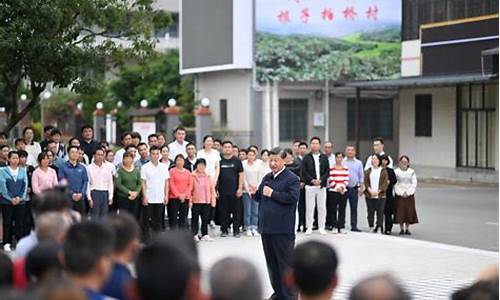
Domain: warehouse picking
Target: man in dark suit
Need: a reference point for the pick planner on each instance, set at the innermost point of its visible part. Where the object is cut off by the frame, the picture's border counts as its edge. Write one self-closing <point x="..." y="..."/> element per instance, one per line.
<point x="278" y="195"/>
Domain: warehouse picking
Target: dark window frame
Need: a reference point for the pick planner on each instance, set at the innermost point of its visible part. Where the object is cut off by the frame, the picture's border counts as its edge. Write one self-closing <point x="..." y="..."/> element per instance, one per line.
<point x="370" y="106"/>
<point x="423" y="115"/>
<point x="223" y="112"/>
<point x="293" y="130"/>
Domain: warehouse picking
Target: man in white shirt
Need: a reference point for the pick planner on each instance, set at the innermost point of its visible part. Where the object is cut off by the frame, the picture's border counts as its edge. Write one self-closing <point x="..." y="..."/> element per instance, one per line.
<point x="154" y="177"/>
<point x="378" y="148"/>
<point x="126" y="139"/>
<point x="179" y="145"/>
<point x="100" y="187"/>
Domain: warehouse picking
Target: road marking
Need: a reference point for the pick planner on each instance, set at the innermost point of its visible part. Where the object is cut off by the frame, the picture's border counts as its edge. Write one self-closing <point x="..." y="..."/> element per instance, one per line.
<point x="491" y="223"/>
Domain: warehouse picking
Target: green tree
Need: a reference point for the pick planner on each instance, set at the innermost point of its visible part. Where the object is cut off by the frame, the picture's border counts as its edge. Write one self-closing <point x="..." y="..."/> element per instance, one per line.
<point x="70" y="43"/>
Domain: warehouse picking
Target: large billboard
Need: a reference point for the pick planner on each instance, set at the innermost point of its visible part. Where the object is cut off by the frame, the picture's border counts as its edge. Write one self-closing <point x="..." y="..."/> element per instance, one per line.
<point x="299" y="40"/>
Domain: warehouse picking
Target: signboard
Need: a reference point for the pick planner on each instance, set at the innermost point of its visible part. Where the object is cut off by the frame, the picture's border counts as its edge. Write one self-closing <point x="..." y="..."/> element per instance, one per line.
<point x="298" y="40"/>
<point x="144" y="128"/>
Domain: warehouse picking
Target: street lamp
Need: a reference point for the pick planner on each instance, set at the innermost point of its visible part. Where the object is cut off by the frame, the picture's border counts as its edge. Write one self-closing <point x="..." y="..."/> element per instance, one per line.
<point x="99" y="105"/>
<point x="23" y="97"/>
<point x="205" y="102"/>
<point x="172" y="102"/>
<point x="144" y="103"/>
<point x="119" y="104"/>
<point x="79" y="106"/>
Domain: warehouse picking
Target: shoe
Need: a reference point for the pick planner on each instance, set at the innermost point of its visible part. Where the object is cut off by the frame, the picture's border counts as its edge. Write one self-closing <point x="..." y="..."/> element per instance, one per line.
<point x="212" y="224"/>
<point x="224" y="234"/>
<point x="196" y="238"/>
<point x="6" y="248"/>
<point x="387" y="233"/>
<point x="237" y="235"/>
<point x="249" y="232"/>
<point x="355" y="230"/>
<point x="255" y="232"/>
<point x="322" y="231"/>
<point x="407" y="232"/>
<point x="371" y="228"/>
<point x="375" y="229"/>
<point x="309" y="231"/>
<point x="329" y="228"/>
<point x="207" y="238"/>
<point x="342" y="231"/>
<point x="401" y="232"/>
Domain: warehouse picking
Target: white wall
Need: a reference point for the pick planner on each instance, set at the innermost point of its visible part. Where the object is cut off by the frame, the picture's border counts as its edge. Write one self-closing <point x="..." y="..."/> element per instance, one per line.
<point x="410" y="58"/>
<point x="440" y="149"/>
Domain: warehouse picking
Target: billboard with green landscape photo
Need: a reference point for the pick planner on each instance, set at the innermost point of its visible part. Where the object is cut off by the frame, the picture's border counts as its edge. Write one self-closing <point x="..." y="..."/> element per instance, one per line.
<point x="300" y="40"/>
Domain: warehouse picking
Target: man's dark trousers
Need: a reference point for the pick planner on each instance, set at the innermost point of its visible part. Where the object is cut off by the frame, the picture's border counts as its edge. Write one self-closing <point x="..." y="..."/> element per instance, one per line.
<point x="352" y="196"/>
<point x="277" y="250"/>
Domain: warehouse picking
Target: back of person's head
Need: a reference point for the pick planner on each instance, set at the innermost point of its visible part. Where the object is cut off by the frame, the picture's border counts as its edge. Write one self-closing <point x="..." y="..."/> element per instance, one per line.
<point x="6" y="269"/>
<point x="481" y="290"/>
<point x="43" y="260"/>
<point x="181" y="238"/>
<point x="378" y="287"/>
<point x="57" y="287"/>
<point x="52" y="226"/>
<point x="314" y="268"/>
<point x="52" y="200"/>
<point x="126" y="231"/>
<point x="235" y="278"/>
<point x="86" y="244"/>
<point x="166" y="261"/>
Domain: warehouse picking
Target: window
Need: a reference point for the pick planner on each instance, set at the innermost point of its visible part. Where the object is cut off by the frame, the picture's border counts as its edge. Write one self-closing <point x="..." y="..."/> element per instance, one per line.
<point x="476" y="125"/>
<point x="375" y="119"/>
<point x="293" y="119"/>
<point x="423" y="115"/>
<point x="223" y="112"/>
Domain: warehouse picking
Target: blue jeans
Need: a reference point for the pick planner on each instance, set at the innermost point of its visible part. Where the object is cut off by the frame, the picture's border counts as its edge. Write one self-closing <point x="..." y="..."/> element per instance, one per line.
<point x="251" y="212"/>
<point x="352" y="196"/>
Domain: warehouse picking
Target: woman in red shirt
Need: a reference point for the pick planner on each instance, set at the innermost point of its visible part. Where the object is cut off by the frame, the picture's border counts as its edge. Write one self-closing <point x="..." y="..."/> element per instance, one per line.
<point x="179" y="194"/>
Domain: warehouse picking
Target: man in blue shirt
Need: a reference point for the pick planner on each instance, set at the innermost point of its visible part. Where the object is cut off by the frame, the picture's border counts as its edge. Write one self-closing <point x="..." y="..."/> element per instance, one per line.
<point x="87" y="256"/>
<point x="354" y="188"/>
<point x="74" y="175"/>
<point x="127" y="244"/>
<point x="278" y="195"/>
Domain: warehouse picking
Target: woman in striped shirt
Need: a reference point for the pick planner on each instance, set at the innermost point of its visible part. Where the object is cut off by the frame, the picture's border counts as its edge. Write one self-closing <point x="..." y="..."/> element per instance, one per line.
<point x="337" y="192"/>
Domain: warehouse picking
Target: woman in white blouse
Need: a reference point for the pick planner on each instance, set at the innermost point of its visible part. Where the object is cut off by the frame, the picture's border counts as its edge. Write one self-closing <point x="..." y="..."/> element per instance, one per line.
<point x="251" y="181"/>
<point x="405" y="212"/>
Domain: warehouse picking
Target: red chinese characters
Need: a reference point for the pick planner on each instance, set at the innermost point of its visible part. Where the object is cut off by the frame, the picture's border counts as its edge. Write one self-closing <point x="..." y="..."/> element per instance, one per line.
<point x="371" y="12"/>
<point x="349" y="13"/>
<point x="327" y="14"/>
<point x="284" y="16"/>
<point x="304" y="15"/>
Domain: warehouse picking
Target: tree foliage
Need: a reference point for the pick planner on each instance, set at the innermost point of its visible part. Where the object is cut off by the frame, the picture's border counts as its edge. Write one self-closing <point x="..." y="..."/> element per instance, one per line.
<point x="70" y="43"/>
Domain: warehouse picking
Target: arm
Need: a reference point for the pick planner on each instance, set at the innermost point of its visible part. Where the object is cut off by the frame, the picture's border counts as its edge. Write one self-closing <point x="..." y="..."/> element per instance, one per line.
<point x="119" y="184"/>
<point x="367" y="182"/>
<point x="85" y="182"/>
<point x="325" y="170"/>
<point x="258" y="193"/>
<point x="25" y="192"/>
<point x="166" y="191"/>
<point x="240" y="184"/>
<point x="144" y="194"/>
<point x="413" y="186"/>
<point x="111" y="187"/>
<point x="213" y="194"/>
<point x="3" y="187"/>
<point x="308" y="177"/>
<point x="90" y="183"/>
<point x="291" y="195"/>
<point x="217" y="171"/>
<point x="189" y="190"/>
<point x="384" y="181"/>
<point x="138" y="184"/>
<point x="35" y="183"/>
<point x="173" y="186"/>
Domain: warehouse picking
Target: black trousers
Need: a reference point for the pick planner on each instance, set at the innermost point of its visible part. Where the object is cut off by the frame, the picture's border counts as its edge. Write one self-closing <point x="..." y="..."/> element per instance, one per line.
<point x="130" y="206"/>
<point x="302" y="208"/>
<point x="80" y="207"/>
<point x="152" y="214"/>
<point x="375" y="206"/>
<point x="13" y="217"/>
<point x="197" y="211"/>
<point x="229" y="210"/>
<point x="389" y="211"/>
<point x="335" y="209"/>
<point x="177" y="213"/>
<point x="28" y="222"/>
<point x="277" y="250"/>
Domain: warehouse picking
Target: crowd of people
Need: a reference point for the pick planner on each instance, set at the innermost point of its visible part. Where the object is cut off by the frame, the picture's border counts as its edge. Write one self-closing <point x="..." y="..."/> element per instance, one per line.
<point x="79" y="215"/>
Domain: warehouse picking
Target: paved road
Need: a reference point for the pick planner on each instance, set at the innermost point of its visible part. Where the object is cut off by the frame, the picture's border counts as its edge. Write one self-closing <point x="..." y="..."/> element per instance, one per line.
<point x="455" y="215"/>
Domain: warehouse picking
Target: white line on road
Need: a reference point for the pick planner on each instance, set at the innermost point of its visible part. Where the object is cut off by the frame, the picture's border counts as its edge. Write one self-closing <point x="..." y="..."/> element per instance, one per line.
<point x="491" y="223"/>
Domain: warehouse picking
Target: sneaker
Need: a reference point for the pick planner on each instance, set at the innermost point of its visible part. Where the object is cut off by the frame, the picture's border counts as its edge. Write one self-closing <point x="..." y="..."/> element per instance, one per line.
<point x="196" y="238"/>
<point x="207" y="238"/>
<point x="249" y="233"/>
<point x="237" y="235"/>
<point x="224" y="234"/>
<point x="401" y="232"/>
<point x="212" y="224"/>
<point x="6" y="248"/>
<point x="255" y="232"/>
<point x="355" y="230"/>
<point x="309" y="231"/>
<point x="322" y="231"/>
<point x="342" y="231"/>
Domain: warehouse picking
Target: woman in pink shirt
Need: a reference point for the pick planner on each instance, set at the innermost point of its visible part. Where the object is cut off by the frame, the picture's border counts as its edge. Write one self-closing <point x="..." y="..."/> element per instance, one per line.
<point x="179" y="194"/>
<point x="44" y="177"/>
<point x="203" y="197"/>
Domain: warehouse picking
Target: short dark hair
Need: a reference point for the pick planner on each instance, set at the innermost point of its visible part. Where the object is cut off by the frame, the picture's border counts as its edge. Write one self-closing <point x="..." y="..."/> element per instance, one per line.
<point x="13" y="152"/>
<point x="43" y="155"/>
<point x="296" y="141"/>
<point x="200" y="161"/>
<point x="125" y="228"/>
<point x="22" y="153"/>
<point x="99" y="149"/>
<point x="379" y="159"/>
<point x="253" y="146"/>
<point x="73" y="147"/>
<point x="55" y="131"/>
<point x="339" y="153"/>
<point x="207" y="137"/>
<point x="124" y="135"/>
<point x="264" y="151"/>
<point x="243" y="150"/>
<point x="129" y="146"/>
<point x="153" y="148"/>
<point x="278" y="151"/>
<point x="164" y="146"/>
<point x="378" y="139"/>
<point x="479" y="290"/>
<point x="361" y="290"/>
<point x="50" y="142"/>
<point x="53" y="200"/>
<point x="217" y="141"/>
<point x="179" y="128"/>
<point x="42" y="260"/>
<point x="136" y="135"/>
<point x="315" y="138"/>
<point x="304" y="144"/>
<point x="6" y="270"/>
<point x="190" y="144"/>
<point x="142" y="144"/>
<point x="3" y="146"/>
<point x="152" y="273"/>
<point x="19" y="140"/>
<point x="72" y="139"/>
<point x="180" y="155"/>
<point x="152" y="135"/>
<point x="109" y="150"/>
<point x="86" y="243"/>
<point x="314" y="265"/>
<point x="27" y="128"/>
<point x="251" y="150"/>
<point x="127" y="154"/>
<point x="86" y="126"/>
<point x="227" y="142"/>
<point x="48" y="128"/>
<point x="4" y="134"/>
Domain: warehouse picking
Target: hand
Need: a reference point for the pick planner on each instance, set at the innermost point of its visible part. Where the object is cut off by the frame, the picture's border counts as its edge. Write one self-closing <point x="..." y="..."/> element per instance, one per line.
<point x="182" y="198"/>
<point x="91" y="203"/>
<point x="267" y="191"/>
<point x="75" y="197"/>
<point x="145" y="201"/>
<point x="317" y="182"/>
<point x="374" y="194"/>
<point x="165" y="200"/>
<point x="302" y="185"/>
<point x="132" y="195"/>
<point x="239" y="193"/>
<point x="110" y="202"/>
<point x="405" y="195"/>
<point x="360" y="192"/>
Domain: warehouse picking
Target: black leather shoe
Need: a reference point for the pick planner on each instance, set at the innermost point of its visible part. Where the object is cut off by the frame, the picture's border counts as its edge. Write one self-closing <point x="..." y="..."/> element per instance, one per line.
<point x="355" y="230"/>
<point x="402" y="232"/>
<point x="407" y="232"/>
<point x="224" y="234"/>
